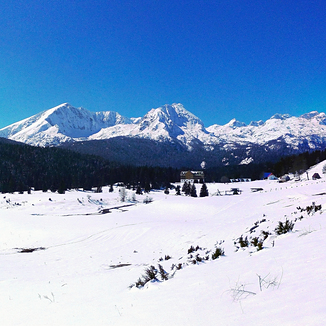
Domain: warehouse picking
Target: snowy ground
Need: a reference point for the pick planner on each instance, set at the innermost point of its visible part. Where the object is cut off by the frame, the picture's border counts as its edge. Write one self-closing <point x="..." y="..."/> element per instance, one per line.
<point x="84" y="262"/>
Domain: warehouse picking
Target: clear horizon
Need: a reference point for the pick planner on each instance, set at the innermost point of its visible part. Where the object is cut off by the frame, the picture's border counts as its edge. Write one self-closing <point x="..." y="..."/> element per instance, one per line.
<point x="220" y="59"/>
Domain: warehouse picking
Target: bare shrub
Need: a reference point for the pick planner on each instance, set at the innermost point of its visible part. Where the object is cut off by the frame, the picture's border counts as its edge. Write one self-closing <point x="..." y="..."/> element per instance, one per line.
<point x="217" y="253"/>
<point x="284" y="228"/>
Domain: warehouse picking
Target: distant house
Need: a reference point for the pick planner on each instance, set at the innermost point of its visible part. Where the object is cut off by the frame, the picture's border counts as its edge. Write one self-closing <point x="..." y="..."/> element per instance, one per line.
<point x="241" y="180"/>
<point x="269" y="176"/>
<point x="192" y="176"/>
<point x="315" y="176"/>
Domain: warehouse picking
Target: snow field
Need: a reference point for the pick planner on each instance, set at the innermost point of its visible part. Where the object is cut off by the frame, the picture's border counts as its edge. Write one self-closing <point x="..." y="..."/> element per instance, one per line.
<point x="89" y="261"/>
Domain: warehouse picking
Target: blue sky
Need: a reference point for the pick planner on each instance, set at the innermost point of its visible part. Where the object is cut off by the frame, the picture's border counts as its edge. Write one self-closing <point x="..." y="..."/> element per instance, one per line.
<point x="221" y="59"/>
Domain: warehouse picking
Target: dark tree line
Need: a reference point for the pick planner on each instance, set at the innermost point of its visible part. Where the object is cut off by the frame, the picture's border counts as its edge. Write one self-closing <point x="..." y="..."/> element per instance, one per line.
<point x="298" y="163"/>
<point x="55" y="169"/>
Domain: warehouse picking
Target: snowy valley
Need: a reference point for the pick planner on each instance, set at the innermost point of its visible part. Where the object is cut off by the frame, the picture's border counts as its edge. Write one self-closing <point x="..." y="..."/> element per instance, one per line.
<point x="65" y="262"/>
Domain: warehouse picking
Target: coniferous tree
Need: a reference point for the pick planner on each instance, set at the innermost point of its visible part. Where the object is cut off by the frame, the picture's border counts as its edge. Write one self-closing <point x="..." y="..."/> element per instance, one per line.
<point x="193" y="192"/>
<point x="138" y="190"/>
<point x="62" y="187"/>
<point x="147" y="187"/>
<point x="186" y="188"/>
<point x="203" y="191"/>
<point x="177" y="190"/>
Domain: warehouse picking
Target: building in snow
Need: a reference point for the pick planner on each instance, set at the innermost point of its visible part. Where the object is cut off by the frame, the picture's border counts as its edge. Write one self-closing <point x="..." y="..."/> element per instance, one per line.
<point x="316" y="176"/>
<point x="269" y="176"/>
<point x="241" y="180"/>
<point x="192" y="176"/>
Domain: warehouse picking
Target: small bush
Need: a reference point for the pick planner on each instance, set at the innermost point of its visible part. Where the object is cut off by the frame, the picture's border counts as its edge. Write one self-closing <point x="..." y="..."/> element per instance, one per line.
<point x="164" y="275"/>
<point x="217" y="253"/>
<point x="284" y="228"/>
<point x="122" y="194"/>
<point x="243" y="242"/>
<point x="140" y="283"/>
<point x="257" y="243"/>
<point x="150" y="274"/>
<point x="310" y="209"/>
<point x="177" y="267"/>
<point x="260" y="246"/>
<point x="191" y="249"/>
<point x="265" y="234"/>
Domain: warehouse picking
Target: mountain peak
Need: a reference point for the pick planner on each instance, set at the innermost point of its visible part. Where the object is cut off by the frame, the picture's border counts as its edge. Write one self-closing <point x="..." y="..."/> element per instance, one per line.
<point x="319" y="117"/>
<point x="61" y="123"/>
<point x="235" y="124"/>
<point x="61" y="107"/>
<point x="256" y="123"/>
<point x="174" y="114"/>
<point x="280" y="116"/>
<point x="169" y="123"/>
<point x="309" y="115"/>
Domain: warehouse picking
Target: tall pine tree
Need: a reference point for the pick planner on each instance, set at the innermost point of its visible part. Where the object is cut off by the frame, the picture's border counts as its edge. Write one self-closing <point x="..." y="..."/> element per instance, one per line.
<point x="193" y="192"/>
<point x="203" y="191"/>
<point x="186" y="188"/>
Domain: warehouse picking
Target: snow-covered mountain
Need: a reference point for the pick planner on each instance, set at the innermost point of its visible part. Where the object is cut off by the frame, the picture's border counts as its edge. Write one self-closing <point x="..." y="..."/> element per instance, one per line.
<point x="60" y="124"/>
<point x="66" y="123"/>
<point x="166" y="123"/>
<point x="280" y="135"/>
<point x="308" y="129"/>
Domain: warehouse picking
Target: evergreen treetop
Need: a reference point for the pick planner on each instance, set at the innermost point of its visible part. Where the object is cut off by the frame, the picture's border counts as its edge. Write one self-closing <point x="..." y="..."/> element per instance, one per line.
<point x="203" y="191"/>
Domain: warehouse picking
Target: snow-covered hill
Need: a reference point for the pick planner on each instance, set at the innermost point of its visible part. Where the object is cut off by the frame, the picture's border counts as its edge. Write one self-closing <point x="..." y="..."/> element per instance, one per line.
<point x="64" y="263"/>
<point x="280" y="135"/>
